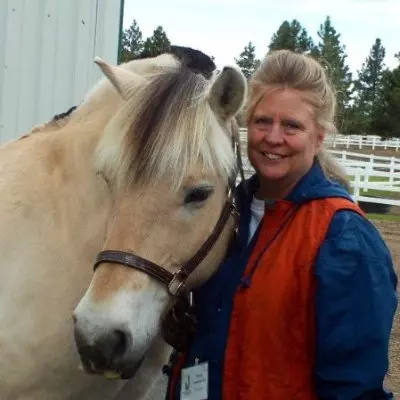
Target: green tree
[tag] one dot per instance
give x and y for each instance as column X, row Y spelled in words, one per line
column 292, row 36
column 386, row 122
column 369, row 88
column 333, row 56
column 132, row 42
column 156, row 44
column 247, row 60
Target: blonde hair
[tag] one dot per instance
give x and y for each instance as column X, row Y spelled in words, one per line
column 287, row 69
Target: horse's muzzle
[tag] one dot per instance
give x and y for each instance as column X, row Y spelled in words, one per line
column 107, row 355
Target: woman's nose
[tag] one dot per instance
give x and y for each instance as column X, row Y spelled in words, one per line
column 274, row 135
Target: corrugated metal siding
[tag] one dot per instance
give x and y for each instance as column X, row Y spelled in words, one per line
column 47, row 49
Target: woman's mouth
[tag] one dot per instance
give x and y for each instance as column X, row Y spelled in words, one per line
column 272, row 156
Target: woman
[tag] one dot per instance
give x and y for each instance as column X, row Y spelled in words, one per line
column 303, row 305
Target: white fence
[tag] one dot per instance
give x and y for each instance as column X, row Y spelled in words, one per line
column 367, row 173
column 363, row 142
column 361, row 182
column 371, row 172
column 369, row 162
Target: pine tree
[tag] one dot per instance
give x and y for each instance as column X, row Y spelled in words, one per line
column 247, row 60
column 132, row 42
column 386, row 122
column 292, row 36
column 333, row 56
column 157, row 44
column 369, row 89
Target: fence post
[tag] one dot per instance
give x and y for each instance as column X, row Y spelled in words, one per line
column 392, row 165
column 367, row 172
column 356, row 191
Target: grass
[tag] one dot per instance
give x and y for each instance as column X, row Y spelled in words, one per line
column 372, row 178
column 383, row 194
column 376, row 192
column 380, row 193
column 378, row 179
column 384, row 217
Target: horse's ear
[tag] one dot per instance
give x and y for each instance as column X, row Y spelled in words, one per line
column 228, row 92
column 122, row 79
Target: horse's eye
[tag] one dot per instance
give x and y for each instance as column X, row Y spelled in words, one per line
column 198, row 194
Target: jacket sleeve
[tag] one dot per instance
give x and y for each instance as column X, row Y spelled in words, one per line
column 355, row 305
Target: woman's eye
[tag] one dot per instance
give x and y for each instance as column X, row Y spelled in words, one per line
column 262, row 121
column 292, row 125
column 198, row 195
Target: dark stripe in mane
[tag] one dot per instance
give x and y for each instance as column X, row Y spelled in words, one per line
column 169, row 97
column 195, row 60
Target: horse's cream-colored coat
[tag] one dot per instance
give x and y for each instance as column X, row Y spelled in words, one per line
column 56, row 214
column 53, row 214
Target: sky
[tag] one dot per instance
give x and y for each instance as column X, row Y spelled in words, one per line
column 222, row 28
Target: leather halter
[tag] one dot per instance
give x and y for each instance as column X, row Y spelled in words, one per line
column 176, row 282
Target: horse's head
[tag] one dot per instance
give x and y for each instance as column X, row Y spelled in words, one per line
column 167, row 158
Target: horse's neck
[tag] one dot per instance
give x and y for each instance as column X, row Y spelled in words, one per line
column 51, row 199
column 84, row 193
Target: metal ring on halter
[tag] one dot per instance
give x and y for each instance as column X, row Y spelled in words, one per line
column 177, row 286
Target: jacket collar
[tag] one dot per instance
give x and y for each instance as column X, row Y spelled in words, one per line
column 313, row 185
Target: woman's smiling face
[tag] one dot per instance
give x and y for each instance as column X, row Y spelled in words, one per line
column 283, row 139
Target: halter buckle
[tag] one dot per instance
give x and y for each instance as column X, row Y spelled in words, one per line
column 177, row 285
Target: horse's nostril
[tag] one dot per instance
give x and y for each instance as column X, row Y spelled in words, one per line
column 121, row 343
column 103, row 352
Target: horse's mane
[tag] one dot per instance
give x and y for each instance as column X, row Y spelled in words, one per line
column 172, row 129
column 54, row 124
column 167, row 128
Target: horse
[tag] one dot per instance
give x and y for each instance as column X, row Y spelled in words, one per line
column 106, row 220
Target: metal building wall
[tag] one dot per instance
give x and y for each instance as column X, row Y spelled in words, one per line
column 47, row 49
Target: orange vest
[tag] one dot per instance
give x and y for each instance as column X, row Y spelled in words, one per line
column 271, row 345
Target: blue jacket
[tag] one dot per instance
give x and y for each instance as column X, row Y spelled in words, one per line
column 348, row 365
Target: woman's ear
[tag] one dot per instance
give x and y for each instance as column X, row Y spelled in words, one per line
column 321, row 133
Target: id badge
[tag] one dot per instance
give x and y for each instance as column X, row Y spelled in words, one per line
column 194, row 382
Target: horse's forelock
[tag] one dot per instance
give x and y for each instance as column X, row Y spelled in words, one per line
column 172, row 129
column 166, row 117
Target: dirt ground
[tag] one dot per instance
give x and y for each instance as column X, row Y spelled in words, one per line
column 390, row 231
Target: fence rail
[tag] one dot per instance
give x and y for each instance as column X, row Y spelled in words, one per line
column 361, row 184
column 345, row 154
column 363, row 142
